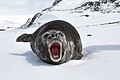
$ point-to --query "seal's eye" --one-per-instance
(61, 34)
(52, 35)
(56, 35)
(46, 35)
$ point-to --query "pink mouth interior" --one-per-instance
(55, 47)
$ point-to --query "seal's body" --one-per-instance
(55, 42)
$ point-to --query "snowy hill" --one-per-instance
(10, 22)
(100, 39)
(103, 6)
(79, 7)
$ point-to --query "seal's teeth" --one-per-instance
(55, 50)
(56, 56)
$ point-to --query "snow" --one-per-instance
(67, 4)
(101, 50)
(17, 61)
(10, 22)
(46, 18)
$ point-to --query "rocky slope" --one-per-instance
(73, 6)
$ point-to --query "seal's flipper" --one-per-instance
(24, 38)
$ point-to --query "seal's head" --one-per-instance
(54, 42)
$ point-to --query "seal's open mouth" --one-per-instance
(55, 50)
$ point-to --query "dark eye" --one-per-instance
(46, 35)
(61, 34)
(56, 35)
(50, 37)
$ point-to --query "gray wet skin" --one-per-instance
(60, 33)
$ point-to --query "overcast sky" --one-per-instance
(15, 7)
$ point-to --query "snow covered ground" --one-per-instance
(101, 49)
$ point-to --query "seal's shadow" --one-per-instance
(98, 48)
(31, 58)
(35, 61)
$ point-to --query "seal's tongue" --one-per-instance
(55, 50)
